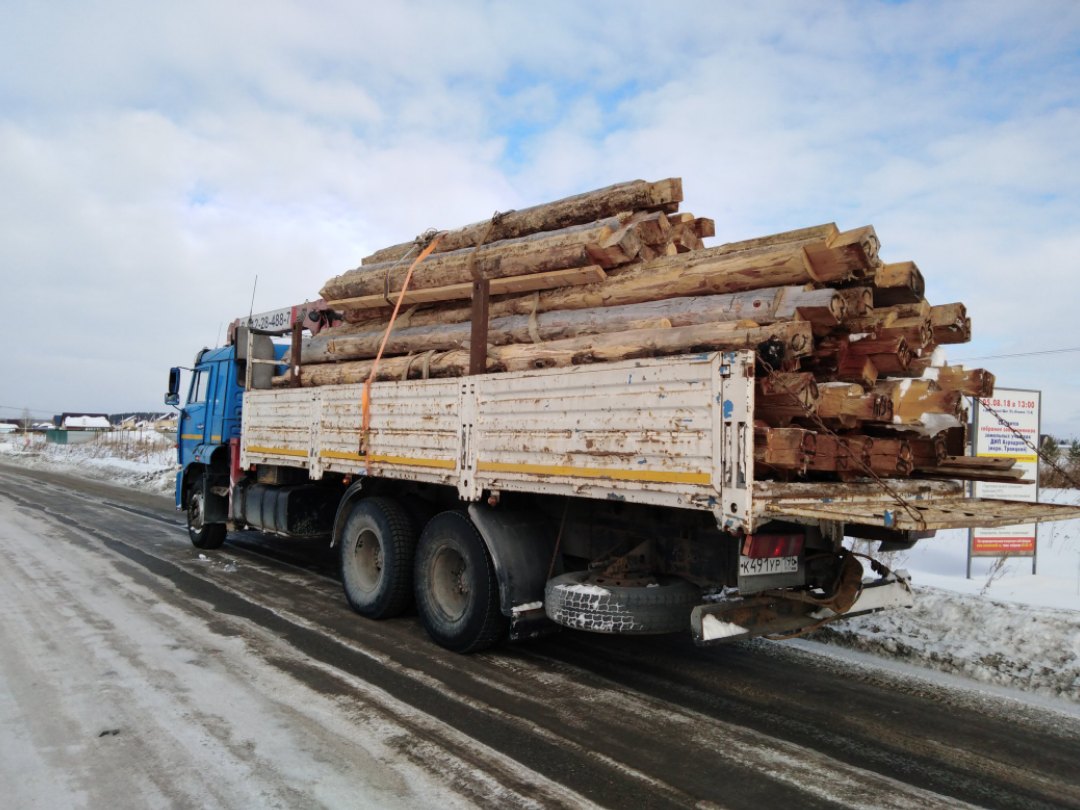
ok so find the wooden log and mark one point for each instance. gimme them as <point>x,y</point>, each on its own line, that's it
<point>636,195</point>
<point>950,323</point>
<point>916,332</point>
<point>891,457</point>
<point>704,272</point>
<point>846,456</point>
<point>858,301</point>
<point>856,369</point>
<point>704,227</point>
<point>851,254</point>
<point>796,339</point>
<point>975,382</point>
<point>898,283</point>
<point>888,355</point>
<point>653,228</point>
<point>914,399</point>
<point>912,320</point>
<point>789,449</point>
<point>783,396</point>
<point>927,451</point>
<point>764,307</point>
<point>555,279</point>
<point>860,360</point>
<point>605,243</point>
<point>848,404</point>
<point>684,236</point>
<point>815,233</point>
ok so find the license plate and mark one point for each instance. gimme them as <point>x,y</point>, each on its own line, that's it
<point>758,566</point>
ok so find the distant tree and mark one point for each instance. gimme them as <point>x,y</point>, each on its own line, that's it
<point>1074,452</point>
<point>1050,449</point>
<point>1059,463</point>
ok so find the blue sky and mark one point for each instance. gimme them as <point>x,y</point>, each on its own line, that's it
<point>155,157</point>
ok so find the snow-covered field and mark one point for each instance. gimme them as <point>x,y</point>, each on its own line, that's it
<point>1007,628</point>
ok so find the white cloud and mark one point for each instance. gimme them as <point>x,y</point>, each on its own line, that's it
<point>155,158</point>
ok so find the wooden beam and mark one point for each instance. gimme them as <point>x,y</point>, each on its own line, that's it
<point>575,276</point>
<point>635,195</point>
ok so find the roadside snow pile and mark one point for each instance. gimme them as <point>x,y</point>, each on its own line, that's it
<point>146,462</point>
<point>1005,644</point>
<point>1005,626</point>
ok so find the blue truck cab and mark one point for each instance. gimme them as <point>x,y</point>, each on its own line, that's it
<point>208,437</point>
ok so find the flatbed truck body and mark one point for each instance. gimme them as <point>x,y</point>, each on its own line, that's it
<point>614,497</point>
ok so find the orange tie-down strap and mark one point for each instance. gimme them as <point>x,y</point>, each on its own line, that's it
<point>365,398</point>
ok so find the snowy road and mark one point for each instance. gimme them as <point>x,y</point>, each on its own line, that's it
<point>137,673</point>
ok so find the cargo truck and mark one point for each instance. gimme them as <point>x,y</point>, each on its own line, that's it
<point>615,497</point>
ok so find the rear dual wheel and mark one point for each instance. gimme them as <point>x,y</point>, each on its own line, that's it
<point>377,546</point>
<point>448,571</point>
<point>457,591</point>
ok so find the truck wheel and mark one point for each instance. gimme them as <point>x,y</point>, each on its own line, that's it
<point>378,543</point>
<point>457,593</point>
<point>202,534</point>
<point>664,607</point>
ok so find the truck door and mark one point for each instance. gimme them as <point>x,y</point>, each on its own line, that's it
<point>194,425</point>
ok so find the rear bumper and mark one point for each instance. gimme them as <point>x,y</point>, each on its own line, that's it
<point>741,618</point>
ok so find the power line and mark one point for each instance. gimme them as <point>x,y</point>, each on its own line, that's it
<point>1018,354</point>
<point>29,408</point>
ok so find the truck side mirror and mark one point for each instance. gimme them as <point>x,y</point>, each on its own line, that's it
<point>172,396</point>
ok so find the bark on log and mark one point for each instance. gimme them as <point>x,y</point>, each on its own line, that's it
<point>705,272</point>
<point>636,195</point>
<point>511,285</point>
<point>764,307</point>
<point>572,247</point>
<point>795,337</point>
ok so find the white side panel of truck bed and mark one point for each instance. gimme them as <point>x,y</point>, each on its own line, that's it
<point>414,431</point>
<point>674,431</point>
<point>653,429</point>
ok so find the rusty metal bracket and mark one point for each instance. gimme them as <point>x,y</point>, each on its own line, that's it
<point>294,355</point>
<point>478,337</point>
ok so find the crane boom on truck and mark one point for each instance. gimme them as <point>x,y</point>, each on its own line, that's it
<point>617,497</point>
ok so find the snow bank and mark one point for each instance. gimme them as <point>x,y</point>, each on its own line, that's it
<point>142,460</point>
<point>1006,644</point>
<point>1008,627</point>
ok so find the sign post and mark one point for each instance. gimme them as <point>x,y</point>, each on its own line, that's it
<point>1021,410</point>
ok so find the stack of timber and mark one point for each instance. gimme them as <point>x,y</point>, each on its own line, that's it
<point>850,380</point>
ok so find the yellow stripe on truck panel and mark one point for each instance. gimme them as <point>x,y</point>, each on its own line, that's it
<point>277,451</point>
<point>651,476</point>
<point>190,436</point>
<point>440,463</point>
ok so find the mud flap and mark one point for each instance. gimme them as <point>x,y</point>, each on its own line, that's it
<point>521,548</point>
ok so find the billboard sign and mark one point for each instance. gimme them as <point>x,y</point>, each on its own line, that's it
<point>1020,411</point>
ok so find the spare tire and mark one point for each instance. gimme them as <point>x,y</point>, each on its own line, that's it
<point>660,607</point>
